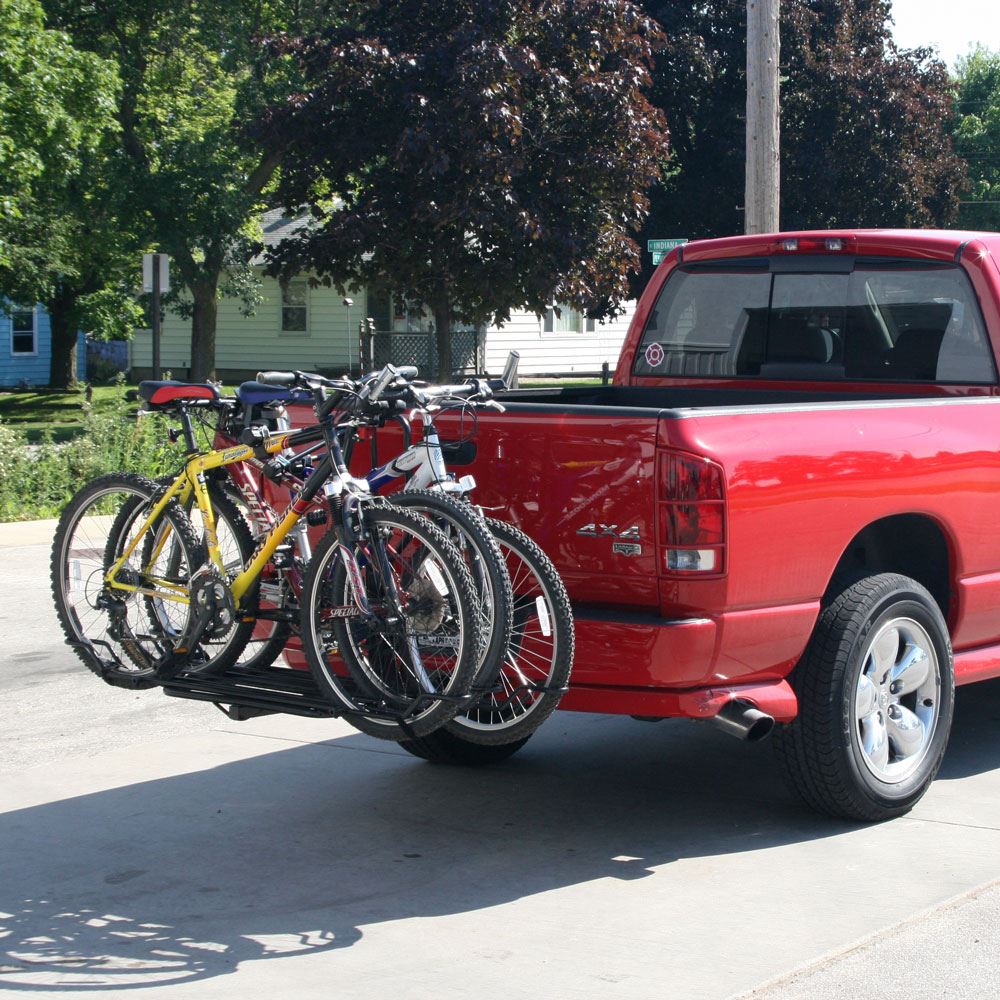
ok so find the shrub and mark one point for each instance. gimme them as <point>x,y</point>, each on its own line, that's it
<point>38,480</point>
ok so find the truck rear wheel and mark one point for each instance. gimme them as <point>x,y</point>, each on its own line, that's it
<point>876,691</point>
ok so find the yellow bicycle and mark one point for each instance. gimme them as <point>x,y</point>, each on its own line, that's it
<point>145,597</point>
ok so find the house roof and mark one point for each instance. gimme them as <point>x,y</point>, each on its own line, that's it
<point>277,225</point>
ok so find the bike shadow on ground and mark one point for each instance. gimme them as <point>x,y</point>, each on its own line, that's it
<point>184,878</point>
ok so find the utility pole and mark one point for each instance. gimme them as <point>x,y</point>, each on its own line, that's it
<point>763,140</point>
<point>157,327</point>
<point>156,279</point>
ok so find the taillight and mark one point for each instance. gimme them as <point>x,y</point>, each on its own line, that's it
<point>815,244</point>
<point>692,514</point>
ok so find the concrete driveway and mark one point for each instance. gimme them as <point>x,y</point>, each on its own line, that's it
<point>153,846</point>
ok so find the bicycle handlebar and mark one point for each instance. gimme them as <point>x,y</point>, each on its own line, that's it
<point>283,379</point>
<point>390,390</point>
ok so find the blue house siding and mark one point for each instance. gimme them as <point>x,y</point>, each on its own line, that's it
<point>33,368</point>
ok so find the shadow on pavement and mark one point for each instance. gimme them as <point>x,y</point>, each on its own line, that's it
<point>182,879</point>
<point>974,747</point>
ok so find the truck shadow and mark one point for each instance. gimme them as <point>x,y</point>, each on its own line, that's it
<point>974,747</point>
<point>293,852</point>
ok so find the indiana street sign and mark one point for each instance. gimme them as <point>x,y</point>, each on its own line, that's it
<point>664,246</point>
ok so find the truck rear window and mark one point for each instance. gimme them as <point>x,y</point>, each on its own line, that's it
<point>886,322</point>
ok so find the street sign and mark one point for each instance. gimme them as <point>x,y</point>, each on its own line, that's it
<point>664,246</point>
<point>658,255</point>
<point>147,271</point>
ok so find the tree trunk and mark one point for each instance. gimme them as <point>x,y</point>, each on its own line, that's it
<point>442,331</point>
<point>62,309</point>
<point>203,321</point>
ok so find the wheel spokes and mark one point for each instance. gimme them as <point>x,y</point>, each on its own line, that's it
<point>911,672</point>
<point>875,739</point>
<point>867,697</point>
<point>884,654</point>
<point>905,731</point>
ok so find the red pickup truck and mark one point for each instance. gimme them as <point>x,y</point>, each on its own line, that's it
<point>784,510</point>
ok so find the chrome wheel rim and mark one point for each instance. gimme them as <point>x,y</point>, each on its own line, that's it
<point>897,700</point>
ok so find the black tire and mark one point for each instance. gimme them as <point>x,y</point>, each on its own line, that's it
<point>507,712</point>
<point>379,688</point>
<point>468,531</point>
<point>236,546</point>
<point>852,713</point>
<point>269,637</point>
<point>445,747</point>
<point>88,538</point>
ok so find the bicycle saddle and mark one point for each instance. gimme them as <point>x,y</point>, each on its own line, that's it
<point>257,393</point>
<point>165,393</point>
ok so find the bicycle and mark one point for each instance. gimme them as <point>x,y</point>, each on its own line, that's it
<point>159,602</point>
<point>537,659</point>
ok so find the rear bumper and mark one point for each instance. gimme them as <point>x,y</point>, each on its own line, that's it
<point>641,664</point>
<point>775,698</point>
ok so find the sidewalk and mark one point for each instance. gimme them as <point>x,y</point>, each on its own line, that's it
<point>948,951</point>
<point>27,532</point>
<point>151,845</point>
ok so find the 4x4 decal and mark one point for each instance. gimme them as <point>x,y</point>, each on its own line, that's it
<point>593,530</point>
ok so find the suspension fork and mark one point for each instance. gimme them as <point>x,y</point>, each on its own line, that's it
<point>385,568</point>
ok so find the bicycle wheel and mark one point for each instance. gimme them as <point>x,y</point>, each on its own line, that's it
<point>237,646</point>
<point>468,531</point>
<point>121,635</point>
<point>219,650</point>
<point>406,668</point>
<point>539,659</point>
<point>270,632</point>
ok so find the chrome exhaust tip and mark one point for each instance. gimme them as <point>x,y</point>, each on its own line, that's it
<point>744,721</point>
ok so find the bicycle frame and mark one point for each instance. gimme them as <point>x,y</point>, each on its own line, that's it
<point>423,464</point>
<point>192,480</point>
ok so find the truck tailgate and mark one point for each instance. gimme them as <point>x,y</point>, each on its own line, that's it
<point>580,481</point>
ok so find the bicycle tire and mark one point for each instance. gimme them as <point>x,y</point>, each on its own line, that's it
<point>379,693</point>
<point>236,546</point>
<point>263,648</point>
<point>511,711</point>
<point>92,639</point>
<point>467,529</point>
<point>231,528</point>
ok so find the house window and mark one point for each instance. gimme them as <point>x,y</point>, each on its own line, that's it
<point>23,335</point>
<point>393,314</point>
<point>295,306</point>
<point>560,318</point>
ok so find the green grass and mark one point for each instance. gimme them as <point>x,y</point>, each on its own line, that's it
<point>556,383</point>
<point>35,411</point>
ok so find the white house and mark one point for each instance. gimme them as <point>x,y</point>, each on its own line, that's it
<point>297,326</point>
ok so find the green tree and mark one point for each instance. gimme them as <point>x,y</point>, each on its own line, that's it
<point>868,124</point>
<point>485,155</point>
<point>56,125</point>
<point>189,80</point>
<point>864,124</point>
<point>977,136</point>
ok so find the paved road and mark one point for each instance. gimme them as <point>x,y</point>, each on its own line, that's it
<point>152,846</point>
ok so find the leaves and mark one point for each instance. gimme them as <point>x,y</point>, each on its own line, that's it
<point>486,155</point>
<point>191,76</point>
<point>864,125</point>
<point>977,137</point>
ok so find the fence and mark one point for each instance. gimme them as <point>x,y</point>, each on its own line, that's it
<point>420,349</point>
